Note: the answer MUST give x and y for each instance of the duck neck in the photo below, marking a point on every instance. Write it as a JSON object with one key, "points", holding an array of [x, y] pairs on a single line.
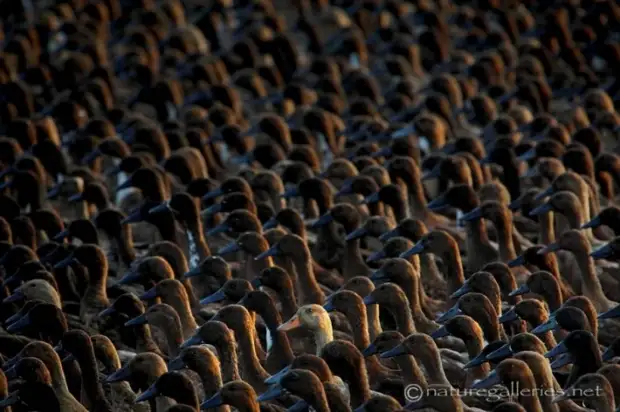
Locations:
{"points": [[433, 366], [322, 336], [400, 311], [253, 371], [474, 347], [505, 239], [96, 289], [419, 317], [174, 335], [527, 393], [454, 274], [417, 200], [144, 340], [399, 208], [90, 379], [254, 267], [353, 262], [374, 323], [546, 230], [318, 401], [125, 245], [281, 347], [59, 382], [412, 374], [309, 291], [228, 361], [287, 298], [591, 285], [197, 245], [180, 303]]}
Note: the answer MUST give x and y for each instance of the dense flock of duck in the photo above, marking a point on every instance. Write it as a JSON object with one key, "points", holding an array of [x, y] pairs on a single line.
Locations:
{"points": [[309, 206]]}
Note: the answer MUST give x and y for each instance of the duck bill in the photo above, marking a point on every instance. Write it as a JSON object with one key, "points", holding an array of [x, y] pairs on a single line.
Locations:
{"points": [[176, 364], [370, 350], [529, 155], [492, 379], [12, 399], [273, 379], [442, 332], [322, 221], [134, 217], [149, 294], [593, 224], [603, 252], [378, 275], [328, 306], [54, 192], [499, 354], [376, 256], [561, 361], [416, 250], [477, 361], [192, 341], [389, 235], [222, 228], [561, 397], [611, 313], [131, 277], [64, 263], [289, 193], [548, 326], [396, 351], [159, 209], [515, 204], [544, 193], [291, 324], [23, 322], [256, 283], [521, 290], [106, 312], [553, 247], [437, 203], [509, 316], [541, 210], [373, 198], [519, 261], [461, 291], [218, 296], [272, 251], [213, 194], [149, 394], [475, 214], [215, 401], [138, 320], [300, 406], [192, 273], [558, 350], [232, 247], [17, 296], [272, 223], [125, 185], [454, 311], [91, 157], [609, 354], [78, 197], [356, 234], [216, 208], [432, 174], [416, 405], [370, 300], [272, 393], [345, 189], [60, 236]]}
